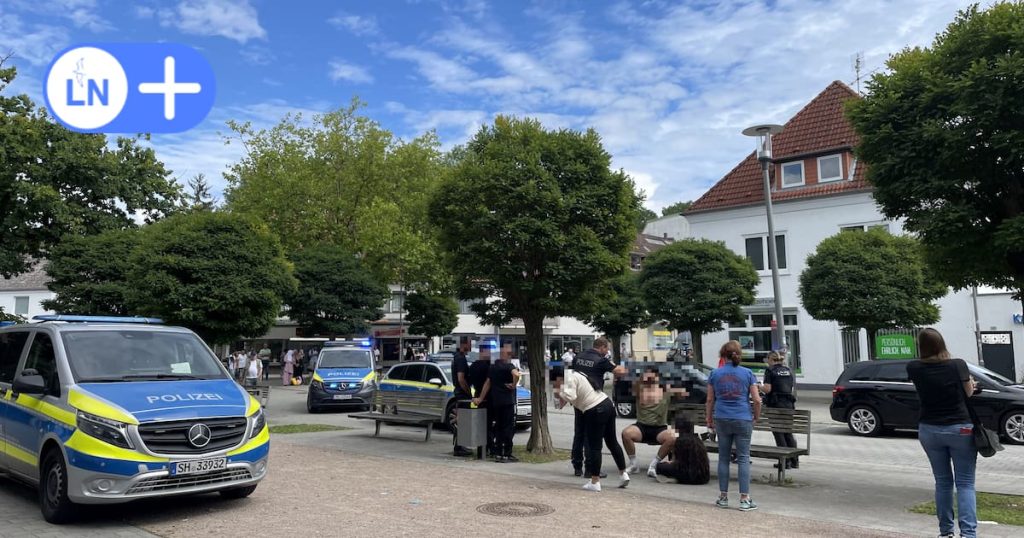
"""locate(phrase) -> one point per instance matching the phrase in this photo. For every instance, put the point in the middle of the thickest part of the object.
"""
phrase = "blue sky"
(668, 85)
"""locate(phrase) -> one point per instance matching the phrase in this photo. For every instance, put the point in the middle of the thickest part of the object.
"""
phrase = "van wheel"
(57, 508)
(1013, 427)
(237, 493)
(863, 420)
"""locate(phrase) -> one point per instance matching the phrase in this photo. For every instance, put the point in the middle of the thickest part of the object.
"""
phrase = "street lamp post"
(763, 134)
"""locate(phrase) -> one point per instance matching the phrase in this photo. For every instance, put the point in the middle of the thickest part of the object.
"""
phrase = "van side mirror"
(29, 382)
(435, 381)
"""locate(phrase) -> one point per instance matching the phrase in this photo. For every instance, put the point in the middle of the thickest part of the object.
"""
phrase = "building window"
(396, 303)
(465, 305)
(21, 306)
(635, 261)
(830, 168)
(755, 338)
(864, 227)
(793, 174)
(757, 252)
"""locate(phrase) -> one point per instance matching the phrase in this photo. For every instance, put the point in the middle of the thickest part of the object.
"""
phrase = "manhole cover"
(515, 509)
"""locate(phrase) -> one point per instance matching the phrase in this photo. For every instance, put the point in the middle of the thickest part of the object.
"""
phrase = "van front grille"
(172, 437)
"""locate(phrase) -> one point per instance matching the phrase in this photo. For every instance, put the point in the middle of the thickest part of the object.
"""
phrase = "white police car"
(344, 376)
(108, 410)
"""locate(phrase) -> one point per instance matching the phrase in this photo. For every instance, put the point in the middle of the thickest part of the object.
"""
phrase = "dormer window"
(830, 168)
(793, 174)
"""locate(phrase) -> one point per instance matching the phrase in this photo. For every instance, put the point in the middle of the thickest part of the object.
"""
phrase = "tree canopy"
(431, 314)
(89, 274)
(644, 216)
(697, 285)
(870, 280)
(620, 309)
(342, 179)
(676, 209)
(219, 274)
(336, 295)
(55, 182)
(941, 134)
(534, 220)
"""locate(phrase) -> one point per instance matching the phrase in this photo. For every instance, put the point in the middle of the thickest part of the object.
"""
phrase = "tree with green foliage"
(677, 208)
(697, 285)
(55, 182)
(941, 135)
(343, 179)
(870, 280)
(336, 295)
(620, 309)
(644, 216)
(534, 221)
(431, 314)
(222, 275)
(199, 197)
(89, 274)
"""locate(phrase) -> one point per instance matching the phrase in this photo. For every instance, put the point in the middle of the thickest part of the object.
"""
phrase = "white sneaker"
(624, 479)
(590, 486)
(651, 472)
(633, 468)
(663, 479)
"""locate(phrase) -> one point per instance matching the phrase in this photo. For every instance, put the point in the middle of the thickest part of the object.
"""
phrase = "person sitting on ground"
(651, 425)
(689, 463)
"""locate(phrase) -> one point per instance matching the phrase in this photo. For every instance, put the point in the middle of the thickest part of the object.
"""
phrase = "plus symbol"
(169, 87)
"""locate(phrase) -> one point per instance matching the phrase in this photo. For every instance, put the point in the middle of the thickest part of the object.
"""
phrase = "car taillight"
(836, 390)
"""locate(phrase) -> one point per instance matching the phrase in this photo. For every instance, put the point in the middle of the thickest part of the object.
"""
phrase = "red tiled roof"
(818, 127)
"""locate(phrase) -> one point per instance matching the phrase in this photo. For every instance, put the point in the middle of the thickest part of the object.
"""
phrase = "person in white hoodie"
(598, 420)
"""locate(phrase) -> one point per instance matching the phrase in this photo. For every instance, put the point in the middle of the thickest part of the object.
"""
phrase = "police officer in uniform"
(460, 370)
(778, 390)
(594, 363)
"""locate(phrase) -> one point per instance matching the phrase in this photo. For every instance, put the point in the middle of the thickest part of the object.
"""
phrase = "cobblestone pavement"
(20, 518)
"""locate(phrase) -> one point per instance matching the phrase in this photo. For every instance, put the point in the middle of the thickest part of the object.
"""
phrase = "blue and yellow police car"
(344, 376)
(107, 410)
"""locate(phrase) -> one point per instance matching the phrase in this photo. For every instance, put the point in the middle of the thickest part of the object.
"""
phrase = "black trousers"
(599, 425)
(504, 428)
(785, 439)
(578, 436)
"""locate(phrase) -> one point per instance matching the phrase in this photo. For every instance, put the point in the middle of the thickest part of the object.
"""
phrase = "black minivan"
(875, 396)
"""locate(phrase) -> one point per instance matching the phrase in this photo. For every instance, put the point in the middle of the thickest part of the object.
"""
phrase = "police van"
(100, 410)
(344, 376)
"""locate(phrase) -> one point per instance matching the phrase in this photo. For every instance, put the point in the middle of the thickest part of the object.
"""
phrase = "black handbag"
(986, 441)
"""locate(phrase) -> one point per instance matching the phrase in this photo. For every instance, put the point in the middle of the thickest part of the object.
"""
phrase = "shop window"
(755, 338)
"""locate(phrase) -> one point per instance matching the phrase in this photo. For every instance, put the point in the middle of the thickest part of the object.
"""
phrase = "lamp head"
(763, 134)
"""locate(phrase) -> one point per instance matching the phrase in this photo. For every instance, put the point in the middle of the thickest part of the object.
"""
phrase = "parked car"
(873, 397)
(436, 384)
(114, 409)
(692, 377)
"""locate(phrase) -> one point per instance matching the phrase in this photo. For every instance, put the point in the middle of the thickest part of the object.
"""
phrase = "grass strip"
(558, 454)
(305, 428)
(1003, 509)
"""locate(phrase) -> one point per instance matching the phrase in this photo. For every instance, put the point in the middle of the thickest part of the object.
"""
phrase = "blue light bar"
(74, 318)
(364, 342)
(7, 323)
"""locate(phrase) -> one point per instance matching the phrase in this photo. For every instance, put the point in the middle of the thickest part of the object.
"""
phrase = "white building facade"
(23, 294)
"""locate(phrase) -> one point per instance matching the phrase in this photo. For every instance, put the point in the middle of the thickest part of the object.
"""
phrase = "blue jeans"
(952, 444)
(734, 432)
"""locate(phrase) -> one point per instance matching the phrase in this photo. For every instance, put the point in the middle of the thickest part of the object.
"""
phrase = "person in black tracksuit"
(500, 392)
(460, 370)
(594, 363)
(778, 388)
(479, 372)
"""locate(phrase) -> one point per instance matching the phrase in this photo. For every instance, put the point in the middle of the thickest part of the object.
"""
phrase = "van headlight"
(259, 421)
(104, 429)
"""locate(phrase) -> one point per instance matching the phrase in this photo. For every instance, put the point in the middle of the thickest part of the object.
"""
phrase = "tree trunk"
(697, 341)
(540, 437)
(616, 345)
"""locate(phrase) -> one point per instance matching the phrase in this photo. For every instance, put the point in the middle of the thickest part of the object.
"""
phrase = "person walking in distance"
(598, 413)
(500, 388)
(567, 357)
(288, 371)
(946, 431)
(593, 363)
(651, 426)
(460, 370)
(778, 389)
(241, 364)
(732, 391)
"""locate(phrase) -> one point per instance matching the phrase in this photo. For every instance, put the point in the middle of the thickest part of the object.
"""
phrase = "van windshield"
(345, 358)
(138, 355)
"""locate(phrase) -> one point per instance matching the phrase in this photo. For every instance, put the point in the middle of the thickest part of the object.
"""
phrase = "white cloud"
(341, 70)
(257, 55)
(357, 24)
(81, 13)
(36, 44)
(233, 19)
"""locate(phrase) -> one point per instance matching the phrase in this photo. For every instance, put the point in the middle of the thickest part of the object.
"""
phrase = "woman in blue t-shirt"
(731, 390)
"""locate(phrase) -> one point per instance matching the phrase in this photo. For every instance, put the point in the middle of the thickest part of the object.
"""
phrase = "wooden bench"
(773, 420)
(388, 410)
(397, 418)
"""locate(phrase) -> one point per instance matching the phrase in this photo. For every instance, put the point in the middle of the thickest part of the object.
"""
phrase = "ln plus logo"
(129, 88)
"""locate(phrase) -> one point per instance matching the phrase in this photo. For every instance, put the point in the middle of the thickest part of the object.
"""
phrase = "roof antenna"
(857, 62)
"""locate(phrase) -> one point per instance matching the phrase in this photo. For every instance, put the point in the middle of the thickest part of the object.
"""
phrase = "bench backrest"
(408, 402)
(795, 421)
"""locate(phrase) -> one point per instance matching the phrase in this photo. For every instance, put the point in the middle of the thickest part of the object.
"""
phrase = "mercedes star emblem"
(199, 435)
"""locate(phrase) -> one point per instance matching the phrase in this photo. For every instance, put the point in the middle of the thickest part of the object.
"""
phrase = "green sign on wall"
(895, 346)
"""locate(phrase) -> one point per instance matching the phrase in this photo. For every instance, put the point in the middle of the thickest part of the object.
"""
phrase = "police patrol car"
(107, 410)
(343, 376)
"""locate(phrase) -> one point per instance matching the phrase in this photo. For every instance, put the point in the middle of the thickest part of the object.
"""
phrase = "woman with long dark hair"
(945, 430)
(731, 389)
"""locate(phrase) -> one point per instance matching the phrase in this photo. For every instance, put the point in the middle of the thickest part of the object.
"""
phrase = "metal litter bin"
(472, 427)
